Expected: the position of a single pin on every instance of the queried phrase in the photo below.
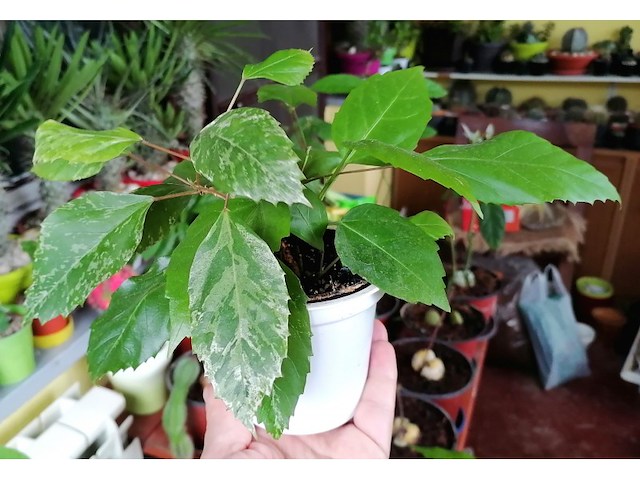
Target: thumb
(225, 434)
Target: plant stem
(454, 268)
(434, 335)
(328, 267)
(470, 235)
(399, 401)
(321, 262)
(335, 174)
(360, 170)
(165, 150)
(235, 95)
(176, 195)
(296, 123)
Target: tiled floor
(593, 417)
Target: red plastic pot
(564, 63)
(127, 180)
(359, 63)
(488, 304)
(52, 326)
(456, 403)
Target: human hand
(368, 435)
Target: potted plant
(17, 357)
(527, 42)
(488, 42)
(602, 64)
(574, 57)
(368, 39)
(406, 34)
(239, 282)
(623, 61)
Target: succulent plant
(499, 96)
(575, 40)
(53, 195)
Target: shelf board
(495, 77)
(50, 363)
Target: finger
(225, 435)
(379, 331)
(374, 415)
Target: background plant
(223, 284)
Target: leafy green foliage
(442, 453)
(134, 327)
(435, 89)
(492, 224)
(320, 163)
(82, 244)
(337, 84)
(393, 253)
(7, 453)
(289, 67)
(433, 225)
(292, 96)
(239, 306)
(63, 171)
(245, 152)
(174, 415)
(277, 408)
(310, 223)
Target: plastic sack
(548, 313)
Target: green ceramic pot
(525, 51)
(17, 357)
(14, 282)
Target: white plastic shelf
(496, 77)
(49, 364)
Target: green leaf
(398, 116)
(81, 244)
(519, 167)
(63, 171)
(289, 67)
(135, 326)
(417, 164)
(392, 253)
(313, 127)
(277, 408)
(492, 224)
(433, 224)
(178, 276)
(442, 453)
(270, 222)
(245, 152)
(310, 223)
(163, 214)
(337, 84)
(55, 141)
(428, 132)
(320, 163)
(7, 453)
(239, 303)
(293, 96)
(435, 89)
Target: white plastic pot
(342, 330)
(144, 388)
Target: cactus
(624, 40)
(110, 177)
(499, 96)
(53, 195)
(575, 40)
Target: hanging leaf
(292, 96)
(320, 163)
(416, 164)
(63, 171)
(392, 253)
(337, 84)
(432, 224)
(397, 117)
(239, 304)
(246, 153)
(289, 67)
(55, 141)
(519, 167)
(135, 326)
(435, 89)
(81, 244)
(277, 408)
(310, 223)
(492, 224)
(428, 132)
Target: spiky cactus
(110, 177)
(192, 93)
(53, 194)
(575, 40)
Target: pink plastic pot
(359, 63)
(100, 297)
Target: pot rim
(331, 303)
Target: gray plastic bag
(546, 307)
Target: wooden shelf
(495, 77)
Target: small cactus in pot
(575, 56)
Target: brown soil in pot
(457, 374)
(474, 323)
(308, 263)
(435, 427)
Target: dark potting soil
(320, 279)
(435, 428)
(457, 372)
(473, 325)
(487, 283)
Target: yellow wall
(30, 410)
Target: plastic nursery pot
(359, 63)
(525, 51)
(468, 340)
(127, 180)
(453, 392)
(144, 387)
(17, 357)
(570, 64)
(14, 282)
(53, 333)
(592, 292)
(436, 426)
(341, 330)
(196, 411)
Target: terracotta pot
(570, 64)
(53, 333)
